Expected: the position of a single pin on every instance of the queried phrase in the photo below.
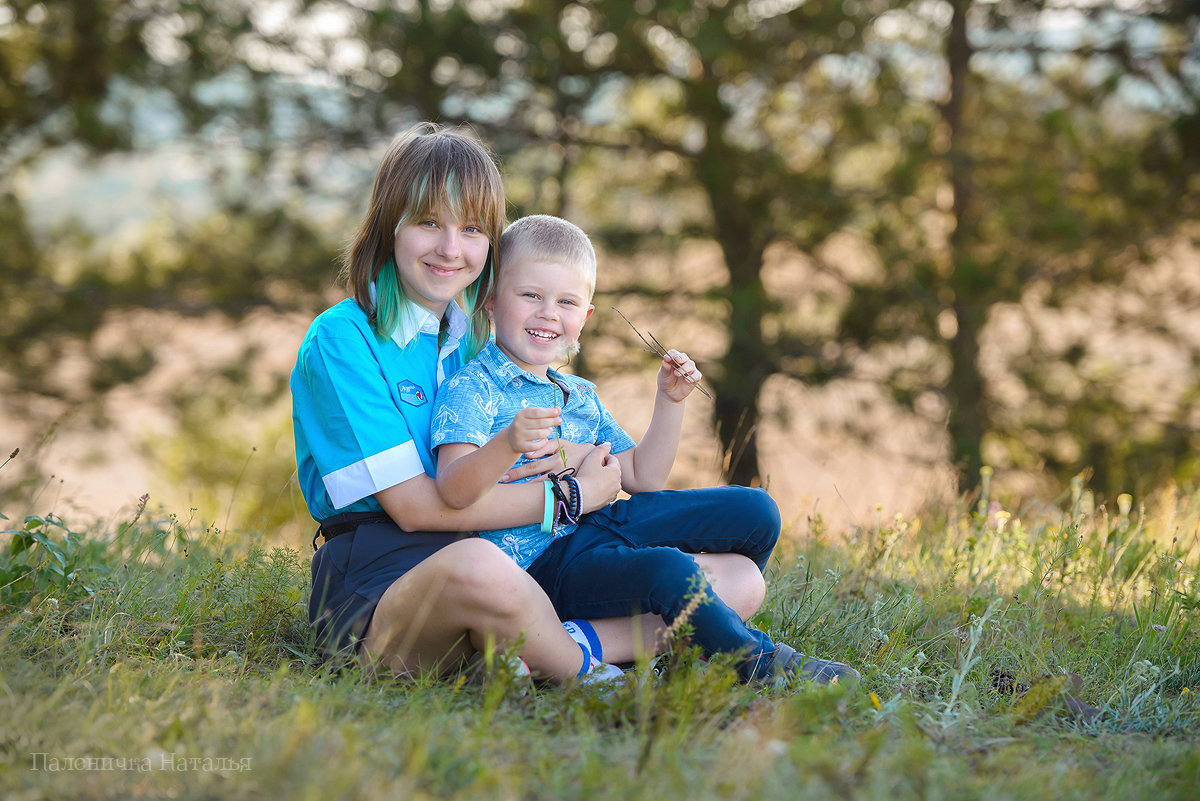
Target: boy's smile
(539, 308)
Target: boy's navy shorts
(350, 574)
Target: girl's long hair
(425, 170)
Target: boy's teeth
(541, 335)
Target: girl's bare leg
(734, 578)
(448, 607)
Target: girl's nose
(447, 245)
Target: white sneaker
(476, 671)
(601, 673)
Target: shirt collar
(456, 320)
(500, 365)
(504, 369)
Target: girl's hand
(678, 376)
(599, 478)
(546, 459)
(531, 429)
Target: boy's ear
(489, 303)
(591, 309)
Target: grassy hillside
(1047, 651)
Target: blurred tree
(105, 75)
(1003, 165)
(1041, 188)
(977, 154)
(740, 98)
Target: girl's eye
(473, 229)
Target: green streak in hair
(393, 309)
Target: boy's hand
(530, 429)
(678, 376)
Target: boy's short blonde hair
(540, 237)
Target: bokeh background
(905, 240)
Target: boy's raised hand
(678, 376)
(530, 429)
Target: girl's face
(438, 257)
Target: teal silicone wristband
(548, 515)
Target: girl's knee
(478, 573)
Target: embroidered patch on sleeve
(411, 394)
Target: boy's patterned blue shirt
(481, 399)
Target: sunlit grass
(1040, 651)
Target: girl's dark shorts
(350, 574)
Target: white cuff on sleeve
(368, 476)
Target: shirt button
(516, 382)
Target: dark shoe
(789, 666)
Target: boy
(634, 554)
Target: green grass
(154, 641)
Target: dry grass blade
(654, 346)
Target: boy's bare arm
(645, 467)
(467, 472)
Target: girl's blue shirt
(362, 408)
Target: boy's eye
(567, 301)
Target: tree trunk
(744, 368)
(743, 232)
(964, 392)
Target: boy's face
(539, 308)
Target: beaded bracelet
(576, 505)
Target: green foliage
(157, 588)
(233, 262)
(44, 558)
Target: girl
(395, 581)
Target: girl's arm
(645, 467)
(466, 471)
(415, 504)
